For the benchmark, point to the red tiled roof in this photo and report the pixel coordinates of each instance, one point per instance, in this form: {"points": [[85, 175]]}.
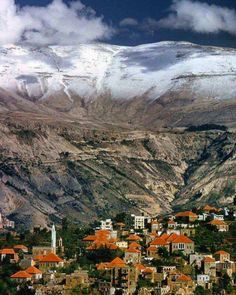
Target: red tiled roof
{"points": [[102, 265], [132, 250], [101, 244], [182, 239], [184, 278], [117, 262], [148, 270], [140, 267], [208, 259], [38, 257], [222, 252], [21, 275], [186, 214], [171, 237], [7, 251], [20, 247], [210, 208], [159, 242], [89, 238], [217, 222], [134, 245], [164, 236], [51, 257], [152, 249], [32, 270], [134, 237]]}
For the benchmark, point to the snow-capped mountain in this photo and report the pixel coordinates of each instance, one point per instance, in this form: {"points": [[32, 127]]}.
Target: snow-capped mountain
{"points": [[124, 72], [179, 73]]}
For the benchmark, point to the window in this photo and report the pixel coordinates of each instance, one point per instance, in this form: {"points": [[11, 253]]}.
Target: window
{"points": [[181, 246]]}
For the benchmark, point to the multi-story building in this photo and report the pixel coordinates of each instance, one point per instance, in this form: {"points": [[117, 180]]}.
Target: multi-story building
{"points": [[106, 224]]}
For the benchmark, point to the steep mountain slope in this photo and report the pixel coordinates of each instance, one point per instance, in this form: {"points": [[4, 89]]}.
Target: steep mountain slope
{"points": [[92, 130], [51, 171]]}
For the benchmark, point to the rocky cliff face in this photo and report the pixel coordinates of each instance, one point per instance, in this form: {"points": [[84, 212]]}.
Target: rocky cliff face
{"points": [[49, 171], [93, 130]]}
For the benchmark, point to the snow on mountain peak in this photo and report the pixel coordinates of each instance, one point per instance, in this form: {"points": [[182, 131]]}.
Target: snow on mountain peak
{"points": [[122, 72]]}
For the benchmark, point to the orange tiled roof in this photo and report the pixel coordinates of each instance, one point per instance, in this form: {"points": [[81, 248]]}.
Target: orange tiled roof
{"points": [[140, 267], [152, 248], [164, 236], [33, 270], [184, 278], [20, 247], [38, 257], [217, 222], [209, 208], [148, 270], [89, 238], [7, 251], [117, 262], [182, 239], [102, 265], [21, 275], [134, 237], [221, 252], [51, 257], [208, 259], [171, 222], [158, 242], [171, 237], [132, 250], [186, 214], [101, 244], [155, 222], [134, 245]]}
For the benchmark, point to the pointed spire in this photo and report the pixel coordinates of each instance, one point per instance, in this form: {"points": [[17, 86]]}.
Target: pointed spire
{"points": [[53, 238]]}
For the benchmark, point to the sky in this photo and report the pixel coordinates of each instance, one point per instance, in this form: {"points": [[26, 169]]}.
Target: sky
{"points": [[121, 22]]}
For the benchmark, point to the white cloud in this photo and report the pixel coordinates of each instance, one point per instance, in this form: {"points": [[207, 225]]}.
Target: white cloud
{"points": [[126, 22], [200, 17], [57, 23]]}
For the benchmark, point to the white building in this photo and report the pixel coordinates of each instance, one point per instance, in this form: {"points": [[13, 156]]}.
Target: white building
{"points": [[203, 279], [106, 224], [140, 221]]}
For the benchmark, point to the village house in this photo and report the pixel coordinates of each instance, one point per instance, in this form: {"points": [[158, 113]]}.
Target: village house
{"points": [[186, 216], [9, 254], [21, 276], [209, 267], [41, 250], [220, 225], [77, 278], [140, 221], [223, 262], [183, 244], [134, 238], [171, 224], [50, 261], [156, 226], [181, 284], [35, 273], [222, 256], [106, 224], [21, 248], [101, 238], [122, 244], [211, 209], [132, 255], [204, 281]]}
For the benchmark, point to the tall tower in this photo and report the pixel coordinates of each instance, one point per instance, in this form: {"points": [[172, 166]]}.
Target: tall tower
{"points": [[53, 239]]}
